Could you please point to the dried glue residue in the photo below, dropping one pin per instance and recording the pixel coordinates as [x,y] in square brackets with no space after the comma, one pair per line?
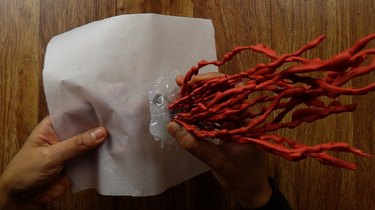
[164,91]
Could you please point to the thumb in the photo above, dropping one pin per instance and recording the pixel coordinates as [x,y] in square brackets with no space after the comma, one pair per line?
[79,144]
[203,150]
[179,80]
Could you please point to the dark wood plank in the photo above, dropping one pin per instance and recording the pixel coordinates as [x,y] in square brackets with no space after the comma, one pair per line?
[237,23]
[309,185]
[19,70]
[166,7]
[361,13]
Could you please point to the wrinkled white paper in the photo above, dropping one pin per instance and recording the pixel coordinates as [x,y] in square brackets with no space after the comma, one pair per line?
[100,74]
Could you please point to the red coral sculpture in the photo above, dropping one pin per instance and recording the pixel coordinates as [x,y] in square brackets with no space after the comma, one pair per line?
[207,108]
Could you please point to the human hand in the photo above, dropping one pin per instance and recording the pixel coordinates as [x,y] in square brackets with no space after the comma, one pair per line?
[36,173]
[241,168]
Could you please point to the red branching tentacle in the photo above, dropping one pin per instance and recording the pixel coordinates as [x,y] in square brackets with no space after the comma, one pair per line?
[207,108]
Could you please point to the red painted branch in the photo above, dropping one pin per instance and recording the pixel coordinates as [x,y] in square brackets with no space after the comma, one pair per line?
[207,108]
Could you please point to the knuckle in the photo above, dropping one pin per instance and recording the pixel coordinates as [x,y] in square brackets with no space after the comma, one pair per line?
[48,161]
[81,142]
[194,147]
[46,155]
[182,136]
[67,183]
[187,141]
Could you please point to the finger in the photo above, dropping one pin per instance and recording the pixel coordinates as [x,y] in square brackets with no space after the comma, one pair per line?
[202,77]
[79,144]
[42,135]
[45,122]
[203,150]
[46,132]
[198,78]
[53,191]
[179,80]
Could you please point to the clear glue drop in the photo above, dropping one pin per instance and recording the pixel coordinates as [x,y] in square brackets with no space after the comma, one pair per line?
[164,91]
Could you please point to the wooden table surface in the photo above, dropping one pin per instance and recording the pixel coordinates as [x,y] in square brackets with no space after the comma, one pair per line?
[27,26]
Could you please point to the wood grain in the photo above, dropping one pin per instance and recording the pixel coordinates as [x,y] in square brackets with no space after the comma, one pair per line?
[19,74]
[27,26]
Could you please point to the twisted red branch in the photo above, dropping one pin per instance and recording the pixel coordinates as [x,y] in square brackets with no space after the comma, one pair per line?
[207,108]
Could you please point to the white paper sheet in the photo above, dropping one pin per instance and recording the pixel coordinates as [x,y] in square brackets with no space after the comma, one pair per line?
[99,74]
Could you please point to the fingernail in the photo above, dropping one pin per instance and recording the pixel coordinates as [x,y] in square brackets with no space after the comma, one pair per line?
[98,133]
[174,128]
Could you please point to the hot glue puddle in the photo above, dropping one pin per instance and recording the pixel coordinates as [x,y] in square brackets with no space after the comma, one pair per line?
[163,92]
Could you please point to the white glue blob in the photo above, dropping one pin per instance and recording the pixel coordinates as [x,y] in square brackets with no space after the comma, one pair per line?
[164,91]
